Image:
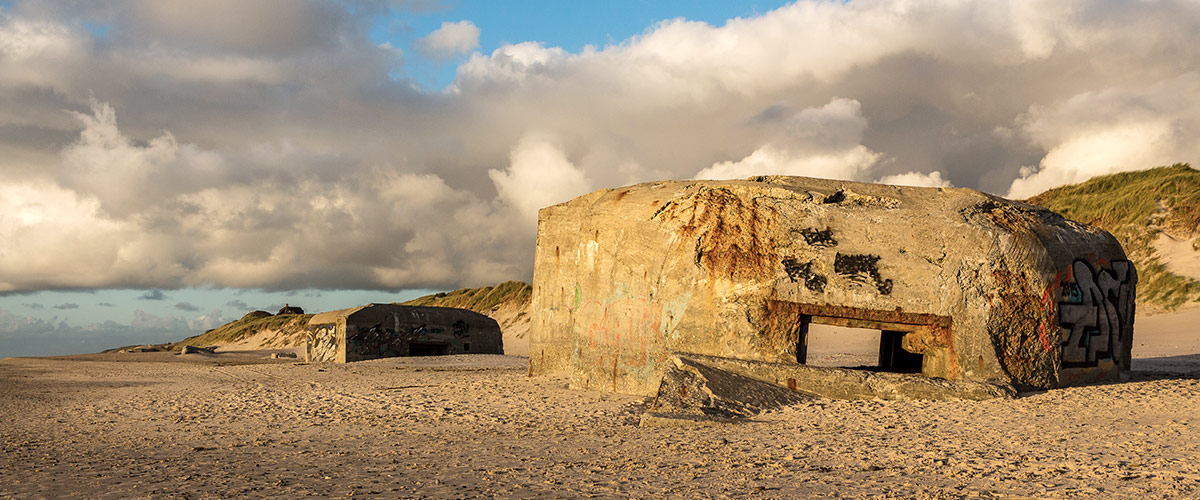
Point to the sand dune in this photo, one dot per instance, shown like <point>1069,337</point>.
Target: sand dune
<point>236,424</point>
<point>1178,254</point>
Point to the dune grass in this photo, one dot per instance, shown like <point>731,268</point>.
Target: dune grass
<point>481,300</point>
<point>1135,207</point>
<point>250,324</point>
<point>1130,199</point>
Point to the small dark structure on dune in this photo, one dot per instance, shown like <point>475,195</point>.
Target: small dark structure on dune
<point>388,330</point>
<point>290,309</point>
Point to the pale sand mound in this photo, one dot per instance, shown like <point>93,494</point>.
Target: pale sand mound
<point>514,326</point>
<point>1178,254</point>
<point>477,427</point>
<point>272,340</point>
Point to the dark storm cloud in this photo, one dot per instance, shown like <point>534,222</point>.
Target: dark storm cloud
<point>153,295</point>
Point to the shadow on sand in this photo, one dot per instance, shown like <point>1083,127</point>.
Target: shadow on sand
<point>1184,366</point>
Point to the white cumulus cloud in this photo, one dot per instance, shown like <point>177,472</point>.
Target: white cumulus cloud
<point>126,177</point>
<point>539,175</point>
<point>451,39</point>
<point>771,160</point>
<point>814,142</point>
<point>1113,130</point>
<point>919,179</point>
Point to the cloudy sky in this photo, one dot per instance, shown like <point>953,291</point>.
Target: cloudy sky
<point>166,166</point>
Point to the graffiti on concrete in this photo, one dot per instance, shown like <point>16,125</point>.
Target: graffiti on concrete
<point>623,328</point>
<point>392,341</point>
<point>619,338</point>
<point>415,332</point>
<point>818,238</point>
<point>862,269</point>
<point>460,329</point>
<point>1095,312</point>
<point>378,340</point>
<point>321,344</point>
<point>804,272</point>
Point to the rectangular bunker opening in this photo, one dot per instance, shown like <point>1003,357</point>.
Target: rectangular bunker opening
<point>829,344</point>
<point>890,341</point>
<point>428,348</point>
<point>832,345</point>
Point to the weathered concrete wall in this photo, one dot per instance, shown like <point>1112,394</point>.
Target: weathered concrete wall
<point>980,287</point>
<point>386,330</point>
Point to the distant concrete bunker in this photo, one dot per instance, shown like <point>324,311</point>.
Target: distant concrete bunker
<point>962,286</point>
<point>387,330</point>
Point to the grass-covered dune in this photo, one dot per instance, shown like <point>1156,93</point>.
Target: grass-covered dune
<point>480,300</point>
<point>507,303</point>
<point>1136,207</point>
<point>251,324</point>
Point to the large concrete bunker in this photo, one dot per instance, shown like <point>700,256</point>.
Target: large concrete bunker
<point>962,285</point>
<point>387,330</point>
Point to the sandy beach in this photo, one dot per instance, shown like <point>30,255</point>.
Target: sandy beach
<point>157,425</point>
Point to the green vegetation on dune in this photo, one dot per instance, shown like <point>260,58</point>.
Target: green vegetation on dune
<point>1158,286</point>
<point>507,303</point>
<point>481,300</point>
<point>250,324</point>
<point>1128,200</point>
<point>1135,207</point>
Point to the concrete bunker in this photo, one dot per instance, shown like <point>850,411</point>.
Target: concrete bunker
<point>964,287</point>
<point>388,330</point>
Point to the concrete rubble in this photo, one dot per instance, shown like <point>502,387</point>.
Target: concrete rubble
<point>191,349</point>
<point>696,392</point>
<point>701,389</point>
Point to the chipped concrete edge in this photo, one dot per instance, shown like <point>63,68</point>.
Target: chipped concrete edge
<point>844,383</point>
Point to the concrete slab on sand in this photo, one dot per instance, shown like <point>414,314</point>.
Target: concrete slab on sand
<point>703,389</point>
